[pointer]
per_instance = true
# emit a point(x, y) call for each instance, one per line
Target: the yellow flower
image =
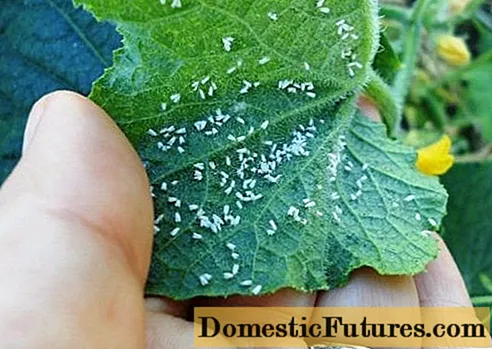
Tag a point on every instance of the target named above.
point(457, 6)
point(453, 50)
point(435, 158)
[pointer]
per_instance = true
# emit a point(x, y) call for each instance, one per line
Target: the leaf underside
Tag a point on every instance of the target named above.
point(263, 174)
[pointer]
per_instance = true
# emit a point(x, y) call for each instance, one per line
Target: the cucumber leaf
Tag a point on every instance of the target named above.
point(263, 175)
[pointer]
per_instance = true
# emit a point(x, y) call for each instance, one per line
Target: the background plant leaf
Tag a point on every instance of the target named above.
point(475, 103)
point(468, 226)
point(386, 62)
point(45, 45)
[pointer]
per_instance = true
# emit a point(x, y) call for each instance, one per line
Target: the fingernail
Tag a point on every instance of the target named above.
point(155, 304)
point(368, 108)
point(37, 112)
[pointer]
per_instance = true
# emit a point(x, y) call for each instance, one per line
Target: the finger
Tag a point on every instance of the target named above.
point(366, 288)
point(442, 285)
point(368, 108)
point(75, 233)
point(168, 306)
point(282, 298)
point(165, 331)
point(77, 163)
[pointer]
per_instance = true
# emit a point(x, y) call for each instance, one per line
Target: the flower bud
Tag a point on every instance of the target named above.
point(457, 6)
point(453, 50)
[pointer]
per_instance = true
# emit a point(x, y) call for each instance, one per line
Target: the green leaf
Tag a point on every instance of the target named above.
point(475, 103)
point(262, 180)
point(44, 46)
point(386, 63)
point(166, 52)
point(468, 228)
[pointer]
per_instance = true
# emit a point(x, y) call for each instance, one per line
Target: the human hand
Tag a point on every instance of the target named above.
point(76, 223)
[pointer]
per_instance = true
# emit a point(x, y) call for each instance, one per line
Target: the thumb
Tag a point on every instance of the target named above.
point(75, 230)
point(77, 162)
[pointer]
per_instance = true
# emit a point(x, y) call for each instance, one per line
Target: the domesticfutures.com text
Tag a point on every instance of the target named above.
point(335, 327)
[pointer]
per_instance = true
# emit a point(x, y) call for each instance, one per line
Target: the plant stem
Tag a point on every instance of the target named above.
point(419, 9)
point(380, 93)
point(482, 300)
point(411, 50)
point(395, 13)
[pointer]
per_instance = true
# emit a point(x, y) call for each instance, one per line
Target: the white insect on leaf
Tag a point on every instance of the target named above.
point(176, 97)
point(227, 43)
point(177, 217)
point(228, 275)
point(432, 222)
point(176, 4)
point(409, 198)
point(205, 279)
point(200, 125)
point(352, 66)
point(164, 186)
point(264, 125)
point(257, 289)
point(273, 16)
point(174, 232)
point(159, 219)
point(246, 86)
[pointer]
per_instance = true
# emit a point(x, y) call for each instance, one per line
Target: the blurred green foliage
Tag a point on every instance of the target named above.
point(454, 100)
point(468, 228)
point(45, 45)
point(444, 98)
